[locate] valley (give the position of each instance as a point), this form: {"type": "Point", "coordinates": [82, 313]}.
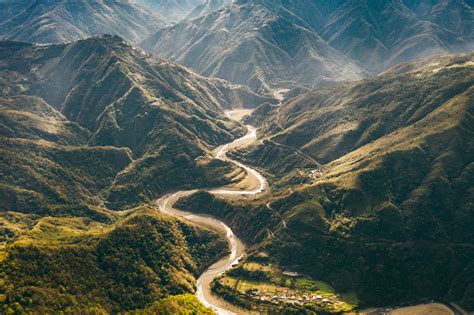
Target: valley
{"type": "Point", "coordinates": [317, 216]}
{"type": "Point", "coordinates": [208, 157]}
{"type": "Point", "coordinates": [257, 186]}
{"type": "Point", "coordinates": [217, 279]}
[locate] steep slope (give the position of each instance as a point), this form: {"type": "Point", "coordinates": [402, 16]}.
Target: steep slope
{"type": "Point", "coordinates": [45, 21]}
{"type": "Point", "coordinates": [47, 167]}
{"type": "Point", "coordinates": [88, 128]}
{"type": "Point", "coordinates": [9, 8]}
{"type": "Point", "coordinates": [389, 213]}
{"type": "Point", "coordinates": [248, 44]}
{"type": "Point", "coordinates": [327, 124]}
{"type": "Point", "coordinates": [206, 7]}
{"type": "Point", "coordinates": [383, 33]}
{"type": "Point", "coordinates": [373, 35]}
{"type": "Point", "coordinates": [102, 92]}
{"type": "Point", "coordinates": [176, 10]}
{"type": "Point", "coordinates": [389, 33]}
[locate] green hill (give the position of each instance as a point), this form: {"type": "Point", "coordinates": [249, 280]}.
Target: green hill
{"type": "Point", "coordinates": [77, 265]}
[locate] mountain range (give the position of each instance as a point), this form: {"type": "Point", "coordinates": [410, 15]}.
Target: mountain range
{"type": "Point", "coordinates": [284, 44]}
{"type": "Point", "coordinates": [288, 43]}
{"type": "Point", "coordinates": [364, 117]}
{"type": "Point", "coordinates": [46, 21]}
{"type": "Point", "coordinates": [93, 126]}
{"type": "Point", "coordinates": [105, 97]}
{"type": "Point", "coordinates": [250, 45]}
{"type": "Point", "coordinates": [176, 10]}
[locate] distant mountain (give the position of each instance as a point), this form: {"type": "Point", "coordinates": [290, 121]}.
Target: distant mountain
{"type": "Point", "coordinates": [248, 44]}
{"type": "Point", "coordinates": [389, 32]}
{"type": "Point", "coordinates": [380, 34]}
{"type": "Point", "coordinates": [173, 10]}
{"type": "Point", "coordinates": [206, 7]}
{"type": "Point", "coordinates": [268, 44]}
{"type": "Point", "coordinates": [176, 10]}
{"type": "Point", "coordinates": [378, 168]}
{"type": "Point", "coordinates": [46, 21]}
{"type": "Point", "coordinates": [9, 8]}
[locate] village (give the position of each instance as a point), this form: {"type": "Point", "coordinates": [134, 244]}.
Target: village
{"type": "Point", "coordinates": [286, 296]}
{"type": "Point", "coordinates": [265, 284]}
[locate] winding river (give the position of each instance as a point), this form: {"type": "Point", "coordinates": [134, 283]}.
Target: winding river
{"type": "Point", "coordinates": [257, 184]}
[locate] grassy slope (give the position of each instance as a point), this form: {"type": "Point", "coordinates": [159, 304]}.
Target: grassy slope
{"type": "Point", "coordinates": [391, 217]}
{"type": "Point", "coordinates": [179, 304]}
{"type": "Point", "coordinates": [47, 168]}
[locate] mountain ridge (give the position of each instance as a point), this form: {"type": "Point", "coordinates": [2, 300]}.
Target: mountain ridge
{"type": "Point", "coordinates": [371, 37]}
{"type": "Point", "coordinates": [157, 110]}
{"type": "Point", "coordinates": [45, 21]}
{"type": "Point", "coordinates": [216, 45]}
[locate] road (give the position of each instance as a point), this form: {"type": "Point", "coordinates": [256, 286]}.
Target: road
{"type": "Point", "coordinates": [258, 184]}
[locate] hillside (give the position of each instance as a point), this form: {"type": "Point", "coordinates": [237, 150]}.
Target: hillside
{"type": "Point", "coordinates": [206, 7]}
{"type": "Point", "coordinates": [323, 151]}
{"type": "Point", "coordinates": [75, 265]}
{"type": "Point", "coordinates": [91, 133]}
{"type": "Point", "coordinates": [285, 44]}
{"type": "Point", "coordinates": [248, 44]}
{"type": "Point", "coordinates": [389, 212]}
{"type": "Point", "coordinates": [157, 119]}
{"type": "Point", "coordinates": [45, 21]}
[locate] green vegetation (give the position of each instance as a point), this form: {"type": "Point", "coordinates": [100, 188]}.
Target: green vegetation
{"type": "Point", "coordinates": [73, 265]}
{"type": "Point", "coordinates": [71, 143]}
{"type": "Point", "coordinates": [91, 133]}
{"type": "Point", "coordinates": [389, 213]}
{"type": "Point", "coordinates": [185, 304]}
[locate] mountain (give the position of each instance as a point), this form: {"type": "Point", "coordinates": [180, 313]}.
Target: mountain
{"type": "Point", "coordinates": [176, 10]}
{"type": "Point", "coordinates": [206, 7]}
{"type": "Point", "coordinates": [360, 114]}
{"type": "Point", "coordinates": [383, 33]}
{"type": "Point", "coordinates": [46, 21]}
{"type": "Point", "coordinates": [91, 132]}
{"type": "Point", "coordinates": [9, 8]}
{"type": "Point", "coordinates": [248, 44]}
{"type": "Point", "coordinates": [389, 33]}
{"type": "Point", "coordinates": [142, 263]}
{"type": "Point", "coordinates": [291, 43]}
{"type": "Point", "coordinates": [371, 185]}
{"type": "Point", "coordinates": [104, 100]}
{"type": "Point", "coordinates": [173, 10]}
